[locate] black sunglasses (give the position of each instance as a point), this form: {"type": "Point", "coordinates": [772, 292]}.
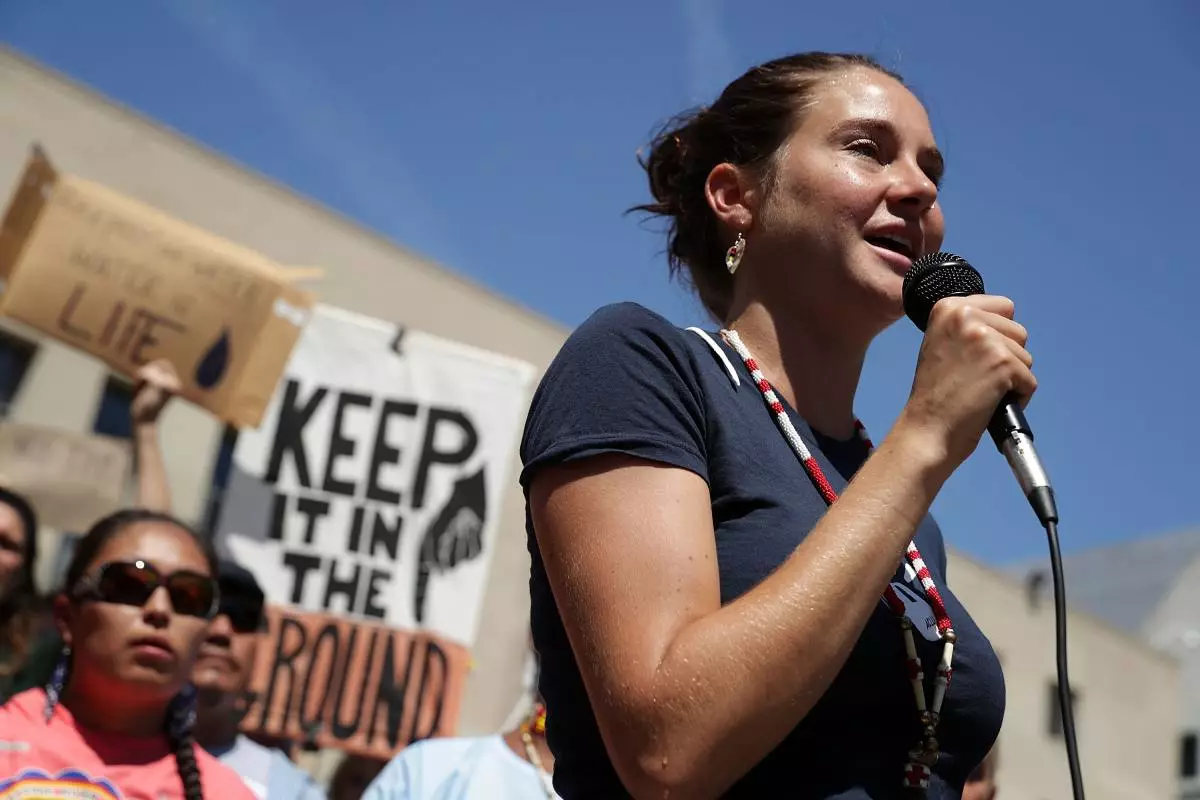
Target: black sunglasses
{"type": "Point", "coordinates": [244, 609]}
{"type": "Point", "coordinates": [131, 583]}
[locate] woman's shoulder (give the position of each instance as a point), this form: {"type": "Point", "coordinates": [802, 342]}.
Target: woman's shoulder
{"type": "Point", "coordinates": [626, 346]}
{"type": "Point", "coordinates": [23, 708]}
{"type": "Point", "coordinates": [626, 381]}
{"type": "Point", "coordinates": [622, 324]}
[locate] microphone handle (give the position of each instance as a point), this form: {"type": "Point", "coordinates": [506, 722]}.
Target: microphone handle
{"type": "Point", "coordinates": [1014, 438]}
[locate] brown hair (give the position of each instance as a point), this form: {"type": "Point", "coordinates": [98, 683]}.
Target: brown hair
{"type": "Point", "coordinates": [20, 605]}
{"type": "Point", "coordinates": [746, 126]}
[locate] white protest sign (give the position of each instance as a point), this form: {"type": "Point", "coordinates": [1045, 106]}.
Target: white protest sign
{"type": "Point", "coordinates": [366, 505]}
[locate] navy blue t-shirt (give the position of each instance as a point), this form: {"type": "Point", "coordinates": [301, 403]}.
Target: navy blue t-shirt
{"type": "Point", "coordinates": [628, 381]}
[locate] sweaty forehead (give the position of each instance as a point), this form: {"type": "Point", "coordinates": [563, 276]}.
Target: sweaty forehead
{"type": "Point", "coordinates": [866, 94]}
{"type": "Point", "coordinates": [164, 545]}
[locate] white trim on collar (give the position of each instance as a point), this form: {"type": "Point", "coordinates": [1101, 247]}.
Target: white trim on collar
{"type": "Point", "coordinates": [703, 334]}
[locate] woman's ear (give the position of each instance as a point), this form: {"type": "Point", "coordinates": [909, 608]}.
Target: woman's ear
{"type": "Point", "coordinates": [733, 196]}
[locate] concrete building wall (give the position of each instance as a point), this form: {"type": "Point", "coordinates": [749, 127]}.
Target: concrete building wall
{"type": "Point", "coordinates": [1127, 695]}
{"type": "Point", "coordinates": [1174, 628]}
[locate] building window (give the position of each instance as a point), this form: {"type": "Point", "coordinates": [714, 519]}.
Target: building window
{"type": "Point", "coordinates": [112, 417]}
{"type": "Point", "coordinates": [15, 355]}
{"type": "Point", "coordinates": [220, 477]}
{"type": "Point", "coordinates": [1055, 718]}
{"type": "Point", "coordinates": [1187, 755]}
{"type": "Point", "coordinates": [1035, 589]}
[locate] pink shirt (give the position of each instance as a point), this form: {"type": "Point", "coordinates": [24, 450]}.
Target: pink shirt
{"type": "Point", "coordinates": [59, 759]}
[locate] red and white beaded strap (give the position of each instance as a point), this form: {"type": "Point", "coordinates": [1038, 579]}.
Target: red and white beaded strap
{"type": "Point", "coordinates": [921, 760]}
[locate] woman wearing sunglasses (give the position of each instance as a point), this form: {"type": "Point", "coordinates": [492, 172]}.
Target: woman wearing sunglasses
{"type": "Point", "coordinates": [116, 718]}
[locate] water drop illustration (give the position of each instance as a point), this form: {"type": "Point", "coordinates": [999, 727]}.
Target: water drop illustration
{"type": "Point", "coordinates": [212, 367]}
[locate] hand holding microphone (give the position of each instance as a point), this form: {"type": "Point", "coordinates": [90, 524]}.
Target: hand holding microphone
{"type": "Point", "coordinates": [973, 371]}
{"type": "Point", "coordinates": [973, 355]}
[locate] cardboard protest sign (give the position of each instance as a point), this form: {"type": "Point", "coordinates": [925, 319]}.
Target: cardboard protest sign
{"type": "Point", "coordinates": [128, 284]}
{"type": "Point", "coordinates": [72, 479]}
{"type": "Point", "coordinates": [366, 505]}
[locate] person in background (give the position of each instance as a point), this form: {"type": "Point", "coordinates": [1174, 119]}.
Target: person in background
{"type": "Point", "coordinates": [224, 668]}
{"type": "Point", "coordinates": [515, 765]}
{"type": "Point", "coordinates": [225, 663]}
{"type": "Point", "coordinates": [20, 605]}
{"type": "Point", "coordinates": [116, 718]}
{"type": "Point", "coordinates": [981, 785]}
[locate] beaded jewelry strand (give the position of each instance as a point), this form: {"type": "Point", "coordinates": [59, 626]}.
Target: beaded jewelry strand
{"type": "Point", "coordinates": [536, 723]}
{"type": "Point", "coordinates": [924, 755]}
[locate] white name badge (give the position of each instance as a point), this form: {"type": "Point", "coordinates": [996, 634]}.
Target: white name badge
{"type": "Point", "coordinates": [918, 611]}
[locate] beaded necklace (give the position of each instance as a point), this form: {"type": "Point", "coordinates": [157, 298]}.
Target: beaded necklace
{"type": "Point", "coordinates": [537, 723]}
{"type": "Point", "coordinates": [924, 755]}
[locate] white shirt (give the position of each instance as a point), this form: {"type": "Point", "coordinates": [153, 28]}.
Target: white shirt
{"type": "Point", "coordinates": [482, 768]}
{"type": "Point", "coordinates": [268, 772]}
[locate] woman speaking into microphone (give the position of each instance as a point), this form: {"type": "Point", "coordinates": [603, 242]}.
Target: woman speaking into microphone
{"type": "Point", "coordinates": [733, 592]}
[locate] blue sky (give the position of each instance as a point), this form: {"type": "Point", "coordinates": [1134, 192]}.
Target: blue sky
{"type": "Point", "coordinates": [501, 143]}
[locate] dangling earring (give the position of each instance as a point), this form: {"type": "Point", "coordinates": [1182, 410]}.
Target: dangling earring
{"type": "Point", "coordinates": [58, 681]}
{"type": "Point", "coordinates": [181, 713]}
{"type": "Point", "coordinates": [733, 256]}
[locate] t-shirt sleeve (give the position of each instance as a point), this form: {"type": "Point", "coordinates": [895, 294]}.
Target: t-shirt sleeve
{"type": "Point", "coordinates": [623, 382]}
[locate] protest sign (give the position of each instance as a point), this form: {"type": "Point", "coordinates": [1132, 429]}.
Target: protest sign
{"type": "Point", "coordinates": [72, 479]}
{"type": "Point", "coordinates": [366, 505]}
{"type": "Point", "coordinates": [128, 284]}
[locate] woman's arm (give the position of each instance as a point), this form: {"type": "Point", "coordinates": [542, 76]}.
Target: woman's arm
{"type": "Point", "coordinates": [690, 695]}
{"type": "Point", "coordinates": [157, 383]}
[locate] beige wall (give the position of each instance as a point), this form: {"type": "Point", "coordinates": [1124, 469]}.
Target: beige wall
{"type": "Point", "coordinates": [1127, 697]}
{"type": "Point", "coordinates": [89, 136]}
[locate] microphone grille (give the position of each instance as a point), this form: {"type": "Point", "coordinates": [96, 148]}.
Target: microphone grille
{"type": "Point", "coordinates": [933, 277]}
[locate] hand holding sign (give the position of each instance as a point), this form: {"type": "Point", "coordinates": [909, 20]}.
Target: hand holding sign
{"type": "Point", "coordinates": [454, 536]}
{"type": "Point", "coordinates": [157, 382]}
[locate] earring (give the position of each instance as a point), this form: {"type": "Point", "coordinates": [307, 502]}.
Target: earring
{"type": "Point", "coordinates": [58, 680]}
{"type": "Point", "coordinates": [733, 256]}
{"type": "Point", "coordinates": [181, 713]}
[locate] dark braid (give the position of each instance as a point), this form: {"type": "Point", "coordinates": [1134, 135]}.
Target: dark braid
{"type": "Point", "coordinates": [184, 746]}
{"type": "Point", "coordinates": [180, 722]}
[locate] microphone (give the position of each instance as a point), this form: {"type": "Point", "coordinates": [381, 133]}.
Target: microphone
{"type": "Point", "coordinates": [939, 275]}
{"type": "Point", "coordinates": [933, 277]}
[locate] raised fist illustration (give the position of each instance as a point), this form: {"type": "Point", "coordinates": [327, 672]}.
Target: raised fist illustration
{"type": "Point", "coordinates": [454, 536]}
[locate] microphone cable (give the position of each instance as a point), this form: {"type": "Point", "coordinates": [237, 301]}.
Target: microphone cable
{"type": "Point", "coordinates": [1066, 706]}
